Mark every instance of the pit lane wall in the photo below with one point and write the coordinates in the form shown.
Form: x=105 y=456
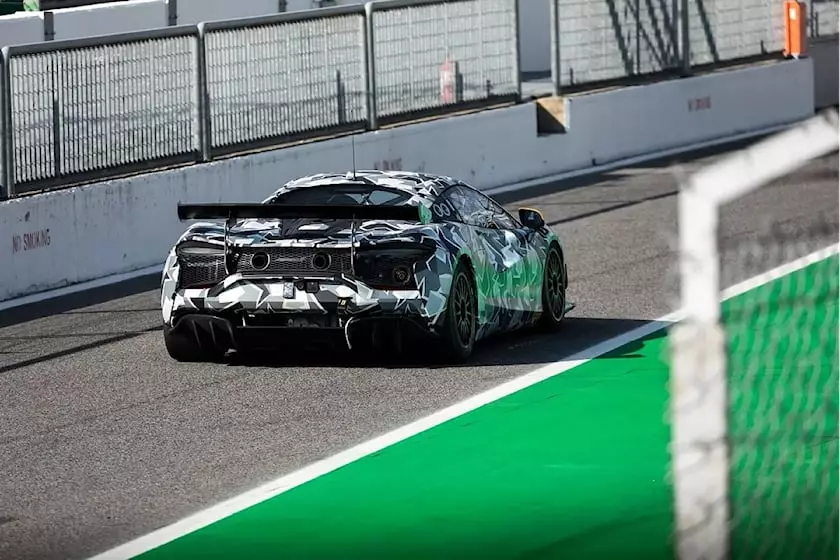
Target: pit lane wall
x=84 y=233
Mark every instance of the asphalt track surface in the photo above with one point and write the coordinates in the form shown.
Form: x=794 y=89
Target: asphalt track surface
x=104 y=438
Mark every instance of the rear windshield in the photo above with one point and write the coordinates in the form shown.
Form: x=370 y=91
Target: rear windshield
x=343 y=195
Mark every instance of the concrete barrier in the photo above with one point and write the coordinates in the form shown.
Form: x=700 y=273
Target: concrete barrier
x=195 y=11
x=21 y=28
x=99 y=19
x=60 y=238
x=678 y=112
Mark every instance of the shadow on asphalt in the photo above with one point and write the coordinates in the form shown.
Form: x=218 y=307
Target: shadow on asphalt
x=76 y=303
x=109 y=338
x=525 y=347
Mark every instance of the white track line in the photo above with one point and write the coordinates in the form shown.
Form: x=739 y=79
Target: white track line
x=626 y=162
x=325 y=466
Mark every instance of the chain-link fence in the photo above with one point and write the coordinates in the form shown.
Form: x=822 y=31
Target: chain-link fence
x=823 y=18
x=609 y=39
x=270 y=79
x=722 y=30
x=414 y=47
x=88 y=109
x=78 y=110
x=94 y=108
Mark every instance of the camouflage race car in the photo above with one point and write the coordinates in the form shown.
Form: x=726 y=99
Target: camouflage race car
x=366 y=259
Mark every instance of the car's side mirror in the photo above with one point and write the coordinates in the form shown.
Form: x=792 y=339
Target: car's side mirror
x=531 y=219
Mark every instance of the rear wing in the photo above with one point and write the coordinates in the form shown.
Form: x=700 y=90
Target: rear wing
x=268 y=211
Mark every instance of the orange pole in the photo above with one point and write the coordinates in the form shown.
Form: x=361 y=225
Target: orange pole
x=796 y=32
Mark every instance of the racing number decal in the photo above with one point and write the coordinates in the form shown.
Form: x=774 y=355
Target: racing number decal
x=442 y=209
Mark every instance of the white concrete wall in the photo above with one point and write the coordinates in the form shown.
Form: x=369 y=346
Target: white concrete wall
x=694 y=110
x=21 y=28
x=102 y=19
x=63 y=237
x=195 y=11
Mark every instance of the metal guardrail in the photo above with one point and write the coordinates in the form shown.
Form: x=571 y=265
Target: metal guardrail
x=89 y=109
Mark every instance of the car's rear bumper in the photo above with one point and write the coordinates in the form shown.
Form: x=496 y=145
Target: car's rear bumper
x=222 y=332
x=272 y=312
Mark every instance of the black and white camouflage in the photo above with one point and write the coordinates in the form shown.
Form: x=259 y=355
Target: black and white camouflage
x=456 y=222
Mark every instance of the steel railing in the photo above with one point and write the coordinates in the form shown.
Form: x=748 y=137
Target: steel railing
x=94 y=108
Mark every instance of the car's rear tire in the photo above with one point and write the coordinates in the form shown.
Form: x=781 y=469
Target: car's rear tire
x=183 y=347
x=460 y=320
x=554 y=291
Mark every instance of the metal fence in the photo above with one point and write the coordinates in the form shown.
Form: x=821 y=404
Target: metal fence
x=599 y=40
x=93 y=108
x=288 y=76
x=102 y=105
x=88 y=109
x=412 y=42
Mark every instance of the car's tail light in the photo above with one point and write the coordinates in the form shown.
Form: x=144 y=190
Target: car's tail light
x=391 y=268
x=201 y=265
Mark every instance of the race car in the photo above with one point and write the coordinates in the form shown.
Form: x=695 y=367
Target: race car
x=366 y=259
